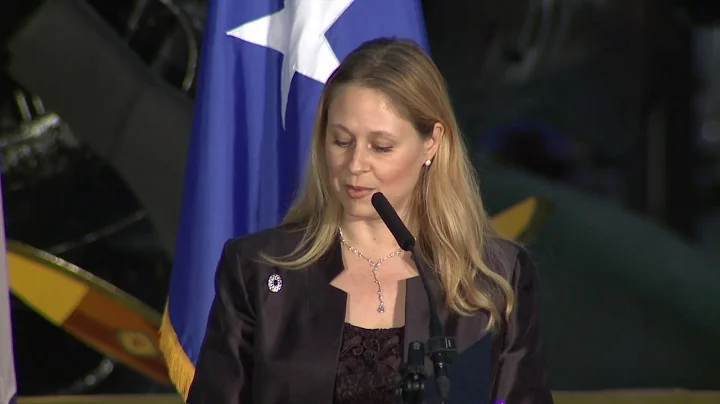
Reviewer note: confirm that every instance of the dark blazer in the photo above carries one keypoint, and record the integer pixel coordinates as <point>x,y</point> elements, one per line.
<point>282,347</point>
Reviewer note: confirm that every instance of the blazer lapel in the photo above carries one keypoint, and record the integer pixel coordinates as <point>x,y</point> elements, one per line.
<point>470,373</point>
<point>417,314</point>
<point>327,306</point>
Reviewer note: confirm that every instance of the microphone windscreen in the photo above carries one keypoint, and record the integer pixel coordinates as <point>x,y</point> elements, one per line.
<point>388,215</point>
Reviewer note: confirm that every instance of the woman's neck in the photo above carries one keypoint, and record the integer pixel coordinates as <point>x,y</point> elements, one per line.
<point>371,237</point>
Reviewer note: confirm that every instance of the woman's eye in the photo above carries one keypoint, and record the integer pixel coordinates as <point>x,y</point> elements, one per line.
<point>341,143</point>
<point>382,149</point>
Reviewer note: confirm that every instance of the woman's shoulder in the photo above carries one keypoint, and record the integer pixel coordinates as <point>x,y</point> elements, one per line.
<point>275,241</point>
<point>506,257</point>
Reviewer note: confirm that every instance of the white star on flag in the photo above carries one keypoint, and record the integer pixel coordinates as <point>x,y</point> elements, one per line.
<point>298,32</point>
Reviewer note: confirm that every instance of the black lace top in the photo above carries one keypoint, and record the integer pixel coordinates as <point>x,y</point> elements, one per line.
<point>368,365</point>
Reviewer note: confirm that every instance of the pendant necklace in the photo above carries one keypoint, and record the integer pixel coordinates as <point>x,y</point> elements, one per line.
<point>375,265</point>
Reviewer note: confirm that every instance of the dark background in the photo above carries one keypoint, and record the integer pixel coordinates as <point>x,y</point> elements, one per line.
<point>609,108</point>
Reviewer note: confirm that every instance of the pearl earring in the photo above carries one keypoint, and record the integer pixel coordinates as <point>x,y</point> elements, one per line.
<point>427,163</point>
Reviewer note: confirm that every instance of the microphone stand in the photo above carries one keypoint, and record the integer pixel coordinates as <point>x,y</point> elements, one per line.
<point>411,380</point>
<point>411,389</point>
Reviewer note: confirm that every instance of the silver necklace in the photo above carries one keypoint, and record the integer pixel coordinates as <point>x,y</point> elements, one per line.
<point>375,265</point>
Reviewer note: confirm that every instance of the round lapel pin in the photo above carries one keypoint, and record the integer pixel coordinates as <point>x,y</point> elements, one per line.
<point>275,283</point>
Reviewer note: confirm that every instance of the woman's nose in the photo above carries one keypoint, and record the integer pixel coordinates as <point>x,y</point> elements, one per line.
<point>359,160</point>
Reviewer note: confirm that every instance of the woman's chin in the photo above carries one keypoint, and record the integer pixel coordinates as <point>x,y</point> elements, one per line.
<point>358,209</point>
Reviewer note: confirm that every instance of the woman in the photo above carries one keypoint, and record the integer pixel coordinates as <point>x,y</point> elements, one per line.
<point>322,309</point>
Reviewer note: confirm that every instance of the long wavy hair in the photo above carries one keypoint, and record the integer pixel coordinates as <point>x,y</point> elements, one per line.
<point>445,212</point>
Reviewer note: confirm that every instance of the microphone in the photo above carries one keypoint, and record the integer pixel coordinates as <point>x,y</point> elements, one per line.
<point>393,222</point>
<point>442,348</point>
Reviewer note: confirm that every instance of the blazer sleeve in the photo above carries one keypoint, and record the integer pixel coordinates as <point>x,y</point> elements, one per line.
<point>521,376</point>
<point>225,365</point>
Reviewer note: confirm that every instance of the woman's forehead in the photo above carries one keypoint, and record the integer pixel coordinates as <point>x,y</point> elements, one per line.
<point>360,110</point>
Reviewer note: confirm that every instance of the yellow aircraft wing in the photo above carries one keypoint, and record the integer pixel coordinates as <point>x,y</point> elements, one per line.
<point>94,311</point>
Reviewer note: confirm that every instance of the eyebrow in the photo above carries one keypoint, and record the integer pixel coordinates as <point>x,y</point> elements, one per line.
<point>349,132</point>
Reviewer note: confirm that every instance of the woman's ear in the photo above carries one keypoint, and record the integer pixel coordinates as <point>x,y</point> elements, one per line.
<point>433,142</point>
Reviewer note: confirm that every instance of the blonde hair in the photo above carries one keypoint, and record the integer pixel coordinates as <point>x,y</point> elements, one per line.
<point>446,212</point>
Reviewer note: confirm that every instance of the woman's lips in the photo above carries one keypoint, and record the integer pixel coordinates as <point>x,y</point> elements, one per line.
<point>358,192</point>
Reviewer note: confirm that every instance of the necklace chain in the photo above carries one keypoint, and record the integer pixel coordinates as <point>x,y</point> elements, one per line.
<point>375,265</point>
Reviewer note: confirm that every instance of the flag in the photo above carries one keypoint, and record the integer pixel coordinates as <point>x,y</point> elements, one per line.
<point>263,67</point>
<point>8,386</point>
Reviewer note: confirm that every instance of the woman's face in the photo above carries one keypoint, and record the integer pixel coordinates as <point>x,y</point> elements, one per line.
<point>369,148</point>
